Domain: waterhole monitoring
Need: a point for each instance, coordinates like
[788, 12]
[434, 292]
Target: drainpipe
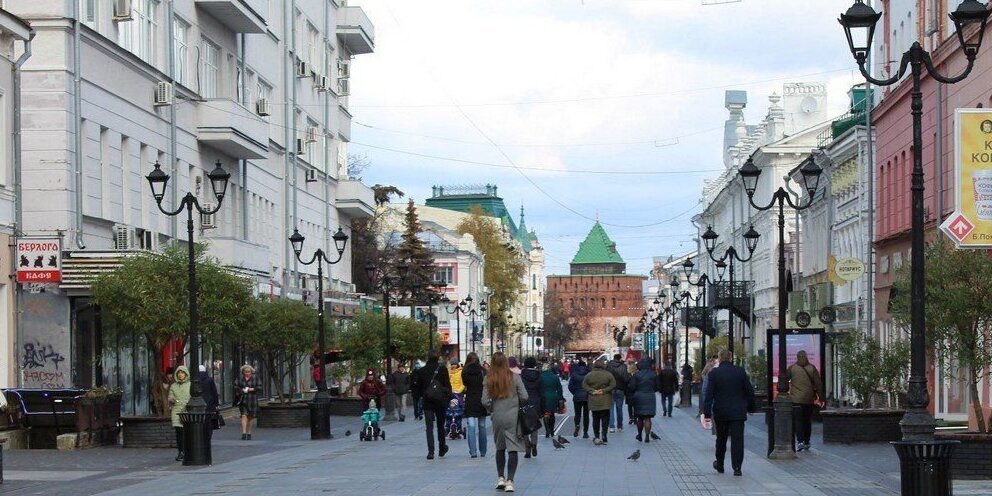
[327, 163]
[77, 109]
[18, 197]
[244, 162]
[289, 119]
[170, 26]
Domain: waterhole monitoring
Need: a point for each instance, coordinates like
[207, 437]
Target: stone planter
[346, 407]
[148, 432]
[284, 415]
[861, 426]
[972, 459]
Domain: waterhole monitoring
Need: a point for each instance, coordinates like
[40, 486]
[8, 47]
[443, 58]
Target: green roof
[597, 248]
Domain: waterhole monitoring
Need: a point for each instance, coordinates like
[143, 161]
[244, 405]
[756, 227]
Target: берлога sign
[39, 260]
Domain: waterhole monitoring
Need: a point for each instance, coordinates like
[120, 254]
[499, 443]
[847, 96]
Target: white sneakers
[500, 483]
[612, 430]
[508, 487]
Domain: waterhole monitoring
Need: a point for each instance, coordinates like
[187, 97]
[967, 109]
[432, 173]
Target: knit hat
[513, 362]
[530, 362]
[203, 368]
[369, 372]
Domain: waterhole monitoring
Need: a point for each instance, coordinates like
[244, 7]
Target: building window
[614, 303]
[602, 302]
[444, 275]
[533, 313]
[138, 36]
[180, 37]
[89, 12]
[533, 281]
[211, 69]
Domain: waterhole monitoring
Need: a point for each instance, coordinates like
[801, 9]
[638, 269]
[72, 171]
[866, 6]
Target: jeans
[434, 414]
[616, 413]
[802, 419]
[600, 418]
[581, 409]
[666, 403]
[401, 400]
[418, 407]
[733, 429]
[476, 435]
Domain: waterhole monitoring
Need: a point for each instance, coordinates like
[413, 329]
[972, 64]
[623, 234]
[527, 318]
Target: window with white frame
[312, 47]
[89, 12]
[180, 38]
[210, 82]
[313, 152]
[444, 275]
[139, 35]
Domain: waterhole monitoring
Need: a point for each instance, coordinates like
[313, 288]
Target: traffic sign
[970, 226]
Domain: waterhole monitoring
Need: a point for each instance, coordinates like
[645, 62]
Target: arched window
[614, 303]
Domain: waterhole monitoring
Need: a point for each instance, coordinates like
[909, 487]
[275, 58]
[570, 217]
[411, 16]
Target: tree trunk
[270, 363]
[160, 396]
[976, 401]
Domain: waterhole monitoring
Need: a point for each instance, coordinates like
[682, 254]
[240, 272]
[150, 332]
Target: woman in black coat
[531, 377]
[433, 410]
[475, 414]
[642, 387]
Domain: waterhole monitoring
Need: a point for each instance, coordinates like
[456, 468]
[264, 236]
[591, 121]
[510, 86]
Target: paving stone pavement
[286, 462]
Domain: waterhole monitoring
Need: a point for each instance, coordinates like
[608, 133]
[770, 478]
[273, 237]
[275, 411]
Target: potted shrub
[958, 316]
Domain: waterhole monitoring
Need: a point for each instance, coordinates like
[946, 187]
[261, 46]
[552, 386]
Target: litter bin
[925, 467]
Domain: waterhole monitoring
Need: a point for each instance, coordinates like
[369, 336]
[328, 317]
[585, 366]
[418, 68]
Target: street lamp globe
[969, 13]
[340, 240]
[709, 239]
[751, 239]
[811, 176]
[859, 26]
[158, 179]
[687, 266]
[675, 285]
[750, 174]
[297, 240]
[721, 269]
[218, 181]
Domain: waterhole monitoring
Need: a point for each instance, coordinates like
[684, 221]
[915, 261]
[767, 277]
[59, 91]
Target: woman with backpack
[502, 393]
[435, 389]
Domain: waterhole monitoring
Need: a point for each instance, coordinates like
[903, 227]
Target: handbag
[218, 421]
[817, 397]
[435, 391]
[562, 406]
[529, 418]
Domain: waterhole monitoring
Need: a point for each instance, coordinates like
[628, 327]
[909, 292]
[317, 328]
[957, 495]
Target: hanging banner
[970, 226]
[39, 260]
[637, 341]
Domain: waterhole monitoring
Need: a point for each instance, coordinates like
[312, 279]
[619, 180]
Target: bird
[562, 440]
[634, 456]
[347, 433]
[558, 445]
[655, 437]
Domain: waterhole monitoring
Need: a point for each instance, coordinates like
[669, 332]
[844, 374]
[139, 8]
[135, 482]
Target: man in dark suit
[729, 398]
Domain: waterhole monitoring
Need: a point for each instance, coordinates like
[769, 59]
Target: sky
[581, 109]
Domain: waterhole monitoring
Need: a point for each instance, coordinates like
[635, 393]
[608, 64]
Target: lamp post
[385, 282]
[320, 407]
[732, 255]
[859, 26]
[196, 441]
[701, 283]
[783, 448]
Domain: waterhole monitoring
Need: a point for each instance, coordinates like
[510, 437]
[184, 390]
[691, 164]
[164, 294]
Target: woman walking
[552, 394]
[246, 392]
[434, 373]
[600, 384]
[178, 398]
[475, 414]
[502, 393]
[531, 378]
[643, 386]
[580, 398]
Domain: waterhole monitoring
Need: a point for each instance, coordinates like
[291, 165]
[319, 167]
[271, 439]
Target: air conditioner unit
[123, 237]
[321, 83]
[344, 69]
[122, 11]
[163, 94]
[302, 69]
[263, 108]
[208, 221]
[311, 175]
[344, 87]
[312, 133]
[301, 146]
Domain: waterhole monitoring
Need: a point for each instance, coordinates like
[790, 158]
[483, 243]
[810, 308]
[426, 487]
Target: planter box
[284, 416]
[861, 426]
[346, 407]
[972, 459]
[148, 432]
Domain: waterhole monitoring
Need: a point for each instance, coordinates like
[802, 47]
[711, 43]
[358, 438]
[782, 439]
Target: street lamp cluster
[468, 308]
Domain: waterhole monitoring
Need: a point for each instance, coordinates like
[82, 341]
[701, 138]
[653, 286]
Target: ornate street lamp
[730, 255]
[687, 268]
[859, 22]
[320, 407]
[196, 441]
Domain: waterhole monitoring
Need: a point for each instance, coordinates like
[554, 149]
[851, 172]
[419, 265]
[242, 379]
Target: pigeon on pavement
[347, 433]
[558, 445]
[562, 440]
[655, 437]
[634, 456]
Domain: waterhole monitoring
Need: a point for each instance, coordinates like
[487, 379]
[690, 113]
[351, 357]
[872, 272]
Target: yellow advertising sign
[971, 224]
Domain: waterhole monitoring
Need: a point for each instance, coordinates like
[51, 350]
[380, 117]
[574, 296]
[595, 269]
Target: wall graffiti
[44, 379]
[37, 355]
[40, 366]
[43, 354]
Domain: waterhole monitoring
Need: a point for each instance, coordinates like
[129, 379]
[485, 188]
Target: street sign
[39, 260]
[970, 226]
[849, 269]
[637, 341]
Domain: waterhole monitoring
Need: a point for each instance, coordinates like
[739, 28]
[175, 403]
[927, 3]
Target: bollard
[925, 467]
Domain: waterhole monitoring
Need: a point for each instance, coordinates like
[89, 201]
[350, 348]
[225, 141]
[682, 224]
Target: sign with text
[970, 226]
[39, 260]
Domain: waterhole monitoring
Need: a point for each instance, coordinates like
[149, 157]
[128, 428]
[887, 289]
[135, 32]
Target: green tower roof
[597, 248]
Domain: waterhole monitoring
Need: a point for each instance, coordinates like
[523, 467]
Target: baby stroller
[370, 426]
[453, 415]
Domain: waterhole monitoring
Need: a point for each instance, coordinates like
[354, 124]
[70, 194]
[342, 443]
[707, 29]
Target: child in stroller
[370, 426]
[454, 414]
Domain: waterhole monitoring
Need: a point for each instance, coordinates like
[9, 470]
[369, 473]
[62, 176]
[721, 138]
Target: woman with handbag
[473, 376]
[553, 398]
[643, 386]
[503, 393]
[435, 388]
[531, 377]
[246, 389]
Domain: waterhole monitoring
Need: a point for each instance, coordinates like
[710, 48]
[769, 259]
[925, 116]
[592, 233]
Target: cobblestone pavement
[286, 462]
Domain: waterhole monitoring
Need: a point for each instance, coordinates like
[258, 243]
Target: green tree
[417, 281]
[504, 265]
[958, 313]
[365, 236]
[859, 359]
[148, 296]
[363, 343]
[282, 333]
[560, 326]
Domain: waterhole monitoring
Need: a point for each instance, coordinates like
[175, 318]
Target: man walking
[668, 384]
[805, 389]
[729, 398]
[622, 377]
[399, 382]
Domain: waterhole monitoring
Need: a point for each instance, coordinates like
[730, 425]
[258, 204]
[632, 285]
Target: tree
[504, 264]
[148, 296]
[282, 333]
[418, 279]
[859, 359]
[958, 314]
[363, 343]
[560, 326]
[365, 236]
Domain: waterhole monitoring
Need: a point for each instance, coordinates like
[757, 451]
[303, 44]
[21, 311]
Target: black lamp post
[859, 26]
[458, 310]
[783, 448]
[320, 407]
[732, 255]
[196, 441]
[386, 283]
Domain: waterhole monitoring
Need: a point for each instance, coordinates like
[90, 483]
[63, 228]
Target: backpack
[620, 373]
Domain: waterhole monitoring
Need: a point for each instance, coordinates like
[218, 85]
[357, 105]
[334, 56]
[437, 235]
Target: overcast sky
[578, 109]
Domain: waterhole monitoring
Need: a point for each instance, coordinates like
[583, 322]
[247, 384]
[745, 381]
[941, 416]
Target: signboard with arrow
[970, 226]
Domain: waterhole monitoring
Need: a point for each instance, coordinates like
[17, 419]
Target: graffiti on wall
[43, 355]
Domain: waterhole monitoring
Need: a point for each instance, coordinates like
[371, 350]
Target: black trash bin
[925, 467]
